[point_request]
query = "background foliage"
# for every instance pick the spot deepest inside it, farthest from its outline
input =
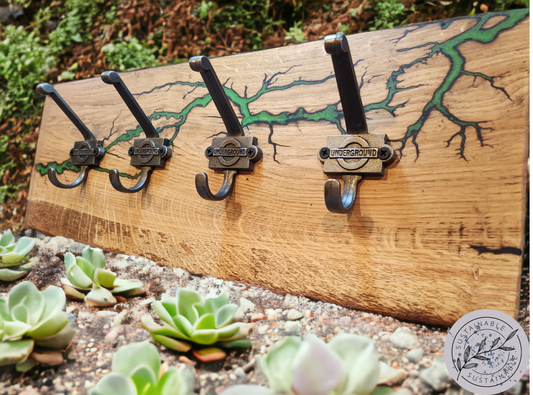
(53, 40)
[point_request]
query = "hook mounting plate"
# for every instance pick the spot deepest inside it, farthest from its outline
(87, 153)
(239, 153)
(152, 152)
(356, 154)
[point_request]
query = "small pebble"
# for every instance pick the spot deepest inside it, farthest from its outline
(402, 338)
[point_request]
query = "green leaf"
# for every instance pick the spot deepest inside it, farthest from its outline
(207, 321)
(224, 315)
(20, 313)
(116, 384)
(126, 286)
(78, 278)
(361, 359)
(243, 343)
(14, 330)
(26, 365)
(70, 260)
(19, 252)
(7, 239)
(127, 359)
(59, 341)
(11, 275)
(100, 297)
(229, 331)
(277, 364)
(205, 337)
(212, 305)
(95, 256)
(163, 313)
(52, 325)
(86, 266)
(15, 352)
(316, 368)
(143, 378)
(149, 324)
(183, 325)
(171, 343)
(27, 294)
(106, 278)
(185, 301)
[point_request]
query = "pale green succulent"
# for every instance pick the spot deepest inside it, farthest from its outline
(88, 280)
(348, 365)
(136, 371)
(33, 326)
(187, 317)
(13, 261)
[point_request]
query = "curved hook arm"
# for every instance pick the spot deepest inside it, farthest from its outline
(143, 180)
(52, 176)
(332, 194)
(202, 185)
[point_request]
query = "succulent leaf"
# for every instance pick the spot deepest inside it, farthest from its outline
(163, 313)
(316, 370)
(361, 359)
(18, 253)
(78, 277)
(171, 343)
(15, 352)
(149, 324)
(224, 315)
(277, 364)
(86, 267)
(116, 384)
(59, 340)
(7, 239)
(212, 305)
(95, 256)
(207, 321)
(185, 301)
(14, 330)
(106, 278)
(70, 260)
(11, 275)
(136, 370)
(26, 365)
(100, 297)
(27, 294)
(183, 325)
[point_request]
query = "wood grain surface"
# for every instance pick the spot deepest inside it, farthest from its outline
(439, 235)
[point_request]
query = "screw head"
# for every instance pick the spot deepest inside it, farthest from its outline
(250, 152)
(95, 152)
(161, 151)
(72, 152)
(384, 153)
(324, 152)
(131, 151)
(209, 151)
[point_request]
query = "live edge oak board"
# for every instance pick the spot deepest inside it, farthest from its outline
(439, 235)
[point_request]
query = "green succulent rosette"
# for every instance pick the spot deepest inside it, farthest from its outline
(348, 365)
(33, 326)
(136, 371)
(87, 279)
(189, 318)
(13, 261)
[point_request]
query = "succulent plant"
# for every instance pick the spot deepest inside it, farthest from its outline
(348, 365)
(13, 261)
(136, 371)
(189, 318)
(88, 280)
(33, 326)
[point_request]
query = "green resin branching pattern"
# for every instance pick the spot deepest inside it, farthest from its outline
(330, 113)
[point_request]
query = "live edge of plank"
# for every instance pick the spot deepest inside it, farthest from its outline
(439, 235)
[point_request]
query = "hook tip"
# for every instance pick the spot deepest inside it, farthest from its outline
(110, 77)
(45, 89)
(200, 63)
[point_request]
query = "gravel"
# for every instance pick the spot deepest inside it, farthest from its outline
(415, 349)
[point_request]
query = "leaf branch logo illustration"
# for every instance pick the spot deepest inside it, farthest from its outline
(479, 356)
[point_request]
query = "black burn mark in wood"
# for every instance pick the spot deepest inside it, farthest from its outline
(497, 251)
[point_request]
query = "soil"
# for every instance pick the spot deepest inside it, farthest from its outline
(101, 331)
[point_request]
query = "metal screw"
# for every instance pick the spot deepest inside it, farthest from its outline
(95, 152)
(250, 152)
(209, 151)
(324, 152)
(72, 152)
(131, 151)
(384, 153)
(161, 151)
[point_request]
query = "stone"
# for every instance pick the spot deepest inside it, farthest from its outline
(437, 374)
(402, 338)
(244, 307)
(390, 376)
(415, 355)
(294, 315)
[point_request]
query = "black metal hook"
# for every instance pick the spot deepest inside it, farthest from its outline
(231, 153)
(146, 154)
(357, 154)
(86, 153)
